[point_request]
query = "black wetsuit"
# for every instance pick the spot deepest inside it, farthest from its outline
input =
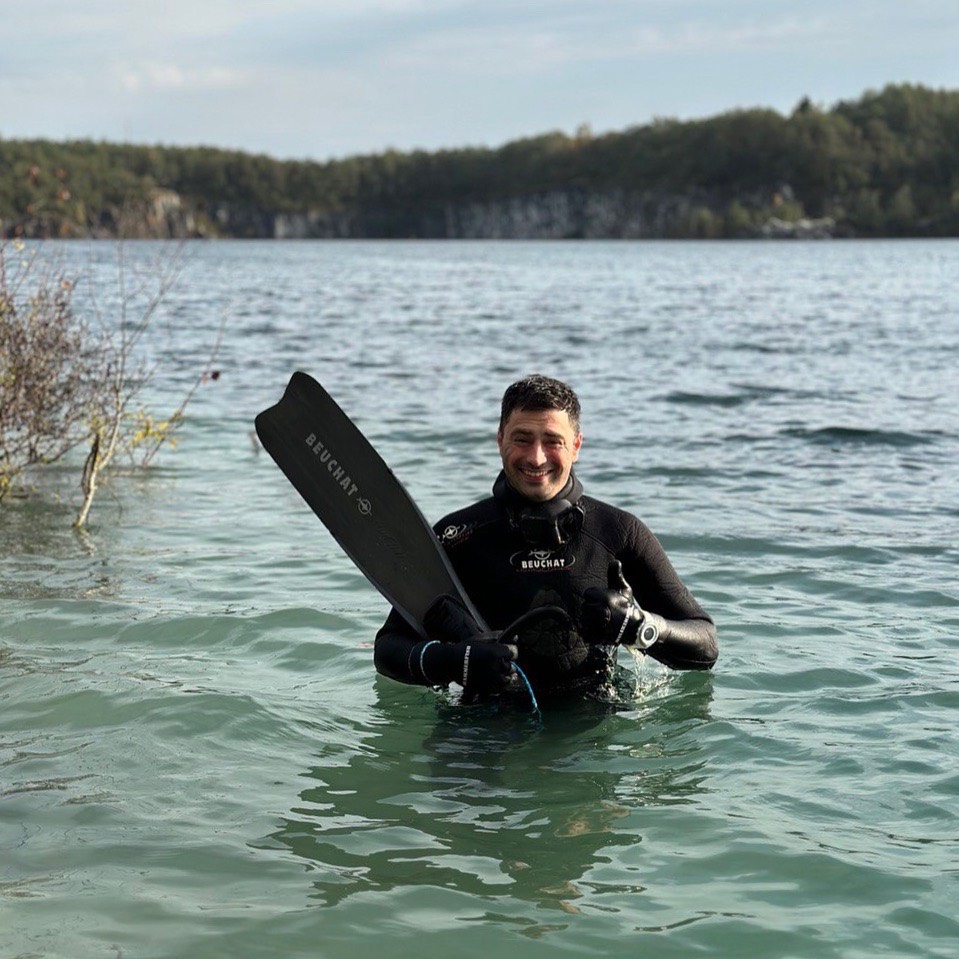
(512, 555)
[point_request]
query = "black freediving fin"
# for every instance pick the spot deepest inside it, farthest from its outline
(359, 499)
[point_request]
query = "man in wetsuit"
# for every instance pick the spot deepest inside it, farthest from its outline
(596, 574)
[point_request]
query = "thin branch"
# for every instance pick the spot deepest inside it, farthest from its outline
(207, 374)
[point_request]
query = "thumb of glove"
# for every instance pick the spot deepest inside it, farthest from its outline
(616, 579)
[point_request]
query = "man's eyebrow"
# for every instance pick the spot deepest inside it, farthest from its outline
(526, 431)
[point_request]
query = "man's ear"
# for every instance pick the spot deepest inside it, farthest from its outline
(577, 444)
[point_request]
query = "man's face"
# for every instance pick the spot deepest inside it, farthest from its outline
(538, 448)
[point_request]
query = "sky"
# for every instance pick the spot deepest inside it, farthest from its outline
(319, 79)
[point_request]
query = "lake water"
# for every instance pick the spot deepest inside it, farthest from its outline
(197, 759)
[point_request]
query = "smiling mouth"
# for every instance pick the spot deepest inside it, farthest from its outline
(535, 474)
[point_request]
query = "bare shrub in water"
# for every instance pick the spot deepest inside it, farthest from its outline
(49, 370)
(68, 384)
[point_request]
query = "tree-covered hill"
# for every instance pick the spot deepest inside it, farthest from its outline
(886, 164)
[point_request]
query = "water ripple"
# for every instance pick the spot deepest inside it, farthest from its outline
(196, 758)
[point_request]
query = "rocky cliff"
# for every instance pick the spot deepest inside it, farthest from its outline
(566, 214)
(550, 215)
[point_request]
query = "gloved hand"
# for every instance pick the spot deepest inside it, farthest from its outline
(464, 653)
(480, 666)
(612, 616)
(449, 621)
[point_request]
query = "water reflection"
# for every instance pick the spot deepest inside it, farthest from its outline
(507, 806)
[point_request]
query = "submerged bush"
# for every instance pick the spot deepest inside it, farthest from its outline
(69, 382)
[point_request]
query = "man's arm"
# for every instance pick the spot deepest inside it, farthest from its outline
(687, 634)
(647, 605)
(686, 643)
(393, 651)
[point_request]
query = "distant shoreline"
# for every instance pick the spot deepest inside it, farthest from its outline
(886, 165)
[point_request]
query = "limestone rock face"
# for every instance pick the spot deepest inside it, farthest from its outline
(822, 228)
(550, 215)
(558, 214)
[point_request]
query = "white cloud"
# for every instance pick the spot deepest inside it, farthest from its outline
(553, 47)
(297, 77)
(171, 77)
(704, 37)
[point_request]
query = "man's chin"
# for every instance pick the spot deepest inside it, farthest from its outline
(538, 492)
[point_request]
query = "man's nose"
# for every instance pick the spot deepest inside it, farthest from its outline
(538, 454)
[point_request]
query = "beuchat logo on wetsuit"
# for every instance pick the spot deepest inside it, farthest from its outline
(453, 534)
(541, 560)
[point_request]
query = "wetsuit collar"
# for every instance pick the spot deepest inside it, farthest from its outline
(546, 524)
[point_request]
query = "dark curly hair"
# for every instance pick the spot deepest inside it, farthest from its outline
(536, 392)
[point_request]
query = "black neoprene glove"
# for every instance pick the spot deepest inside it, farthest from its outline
(479, 666)
(612, 616)
(459, 651)
(449, 621)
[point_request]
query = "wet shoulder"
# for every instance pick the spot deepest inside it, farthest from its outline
(614, 526)
(458, 527)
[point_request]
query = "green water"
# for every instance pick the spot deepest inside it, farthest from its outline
(197, 759)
